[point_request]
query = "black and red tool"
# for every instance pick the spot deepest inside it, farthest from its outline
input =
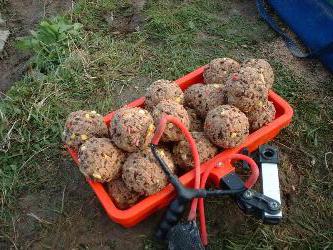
(186, 235)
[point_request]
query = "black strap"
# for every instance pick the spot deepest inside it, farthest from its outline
(291, 45)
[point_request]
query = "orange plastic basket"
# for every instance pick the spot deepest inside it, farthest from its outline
(151, 204)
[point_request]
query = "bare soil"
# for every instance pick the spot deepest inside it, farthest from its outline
(312, 70)
(21, 17)
(67, 215)
(126, 20)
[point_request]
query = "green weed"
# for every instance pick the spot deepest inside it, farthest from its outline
(50, 42)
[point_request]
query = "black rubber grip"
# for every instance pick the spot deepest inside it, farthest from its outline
(221, 193)
(171, 217)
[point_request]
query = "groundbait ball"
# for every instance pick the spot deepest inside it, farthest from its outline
(261, 116)
(171, 132)
(182, 154)
(132, 129)
(142, 173)
(100, 159)
(192, 94)
(121, 194)
(162, 90)
(246, 90)
(218, 70)
(82, 125)
(196, 124)
(226, 126)
(204, 97)
(262, 67)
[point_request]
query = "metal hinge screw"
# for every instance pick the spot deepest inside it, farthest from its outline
(274, 205)
(248, 194)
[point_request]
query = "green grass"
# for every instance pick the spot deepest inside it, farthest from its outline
(177, 37)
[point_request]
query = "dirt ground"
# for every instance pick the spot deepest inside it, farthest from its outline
(21, 17)
(62, 223)
(85, 227)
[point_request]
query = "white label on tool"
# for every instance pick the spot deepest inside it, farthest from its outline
(270, 185)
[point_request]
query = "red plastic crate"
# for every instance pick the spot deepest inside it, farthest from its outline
(151, 204)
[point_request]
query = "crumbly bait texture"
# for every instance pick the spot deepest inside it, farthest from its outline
(262, 67)
(182, 154)
(142, 173)
(196, 124)
(171, 132)
(204, 97)
(162, 90)
(100, 159)
(219, 69)
(192, 94)
(132, 129)
(82, 125)
(121, 194)
(213, 97)
(226, 126)
(261, 116)
(246, 90)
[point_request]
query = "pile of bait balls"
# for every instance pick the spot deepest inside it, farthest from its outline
(220, 112)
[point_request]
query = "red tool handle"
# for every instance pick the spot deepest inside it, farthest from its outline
(156, 138)
(248, 184)
(192, 215)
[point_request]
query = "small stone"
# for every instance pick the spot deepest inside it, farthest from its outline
(4, 34)
(36, 74)
(2, 22)
(109, 18)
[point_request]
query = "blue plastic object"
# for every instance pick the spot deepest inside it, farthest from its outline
(311, 20)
